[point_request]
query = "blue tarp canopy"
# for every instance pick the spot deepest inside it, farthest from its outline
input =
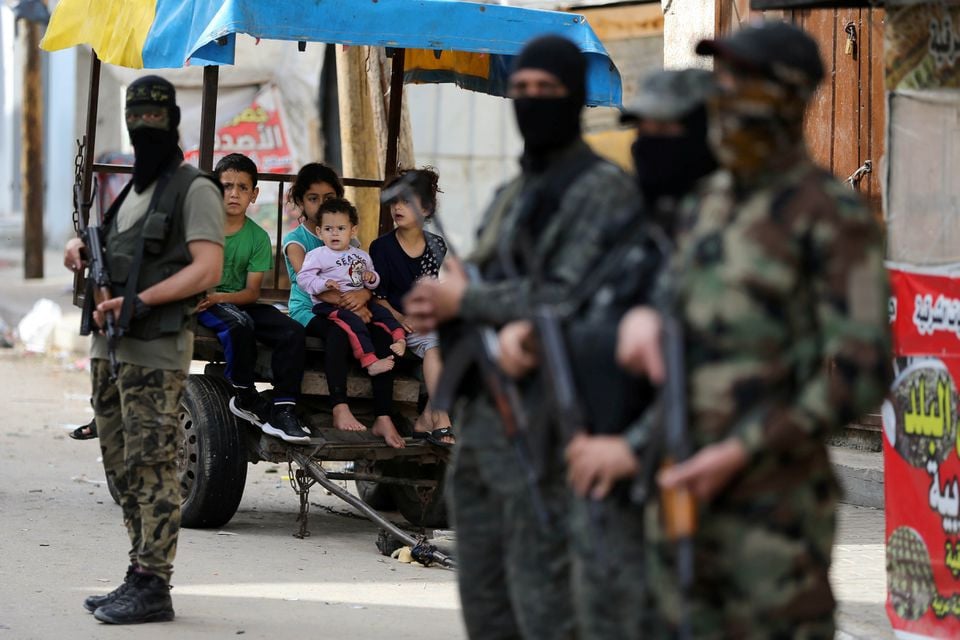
(450, 41)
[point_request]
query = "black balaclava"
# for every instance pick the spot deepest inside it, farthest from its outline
(548, 124)
(669, 166)
(155, 143)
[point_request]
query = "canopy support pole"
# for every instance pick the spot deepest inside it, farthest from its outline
(90, 138)
(208, 116)
(393, 129)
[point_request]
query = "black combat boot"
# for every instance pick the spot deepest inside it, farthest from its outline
(147, 599)
(93, 603)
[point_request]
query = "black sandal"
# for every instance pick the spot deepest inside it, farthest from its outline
(85, 432)
(436, 437)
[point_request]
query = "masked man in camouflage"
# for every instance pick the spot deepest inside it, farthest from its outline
(779, 285)
(550, 222)
(670, 155)
(163, 239)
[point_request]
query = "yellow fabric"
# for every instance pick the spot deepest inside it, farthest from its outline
(462, 62)
(116, 29)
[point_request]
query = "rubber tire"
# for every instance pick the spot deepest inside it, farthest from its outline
(374, 494)
(432, 514)
(211, 459)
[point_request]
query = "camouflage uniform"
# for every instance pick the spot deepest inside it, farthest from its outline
(137, 415)
(782, 293)
(608, 535)
(139, 456)
(514, 573)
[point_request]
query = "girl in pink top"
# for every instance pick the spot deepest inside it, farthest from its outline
(340, 267)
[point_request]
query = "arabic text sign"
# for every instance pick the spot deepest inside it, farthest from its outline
(257, 132)
(922, 457)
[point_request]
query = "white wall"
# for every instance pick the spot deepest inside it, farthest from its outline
(9, 129)
(472, 141)
(685, 23)
(59, 144)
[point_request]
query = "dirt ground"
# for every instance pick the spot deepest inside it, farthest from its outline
(61, 539)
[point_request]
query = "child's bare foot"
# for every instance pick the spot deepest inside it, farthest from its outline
(381, 366)
(399, 347)
(344, 420)
(383, 426)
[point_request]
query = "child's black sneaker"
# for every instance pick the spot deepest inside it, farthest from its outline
(249, 405)
(285, 424)
(147, 599)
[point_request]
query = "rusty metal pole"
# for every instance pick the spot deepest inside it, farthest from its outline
(208, 116)
(32, 160)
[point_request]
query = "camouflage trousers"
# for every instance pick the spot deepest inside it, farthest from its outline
(513, 572)
(137, 425)
(759, 572)
(608, 568)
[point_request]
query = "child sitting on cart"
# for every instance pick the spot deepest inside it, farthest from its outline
(338, 266)
(232, 311)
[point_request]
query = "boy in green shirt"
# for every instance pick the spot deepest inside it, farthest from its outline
(239, 320)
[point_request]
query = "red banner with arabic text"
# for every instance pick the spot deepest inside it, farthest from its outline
(258, 132)
(922, 456)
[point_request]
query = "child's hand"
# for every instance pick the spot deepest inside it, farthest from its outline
(402, 319)
(332, 285)
(369, 276)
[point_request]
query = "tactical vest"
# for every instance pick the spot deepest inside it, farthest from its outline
(162, 230)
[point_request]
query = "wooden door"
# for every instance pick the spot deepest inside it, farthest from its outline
(846, 119)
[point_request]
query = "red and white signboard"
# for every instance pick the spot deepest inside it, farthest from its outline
(922, 456)
(258, 132)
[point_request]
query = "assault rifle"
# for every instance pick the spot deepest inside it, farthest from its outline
(679, 510)
(478, 347)
(98, 277)
(669, 445)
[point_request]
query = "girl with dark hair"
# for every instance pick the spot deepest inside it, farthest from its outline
(315, 184)
(401, 257)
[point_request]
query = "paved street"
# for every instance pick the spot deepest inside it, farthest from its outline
(61, 538)
(859, 581)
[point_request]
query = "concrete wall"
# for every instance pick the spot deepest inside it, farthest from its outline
(59, 78)
(9, 115)
(472, 141)
(59, 145)
(685, 23)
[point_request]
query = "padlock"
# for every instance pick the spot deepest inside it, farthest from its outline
(851, 30)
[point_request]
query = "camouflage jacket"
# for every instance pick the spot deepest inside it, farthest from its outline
(570, 244)
(783, 295)
(564, 251)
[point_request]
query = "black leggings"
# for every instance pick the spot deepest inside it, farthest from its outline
(337, 357)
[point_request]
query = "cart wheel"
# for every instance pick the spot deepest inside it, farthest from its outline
(421, 507)
(373, 493)
(211, 457)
